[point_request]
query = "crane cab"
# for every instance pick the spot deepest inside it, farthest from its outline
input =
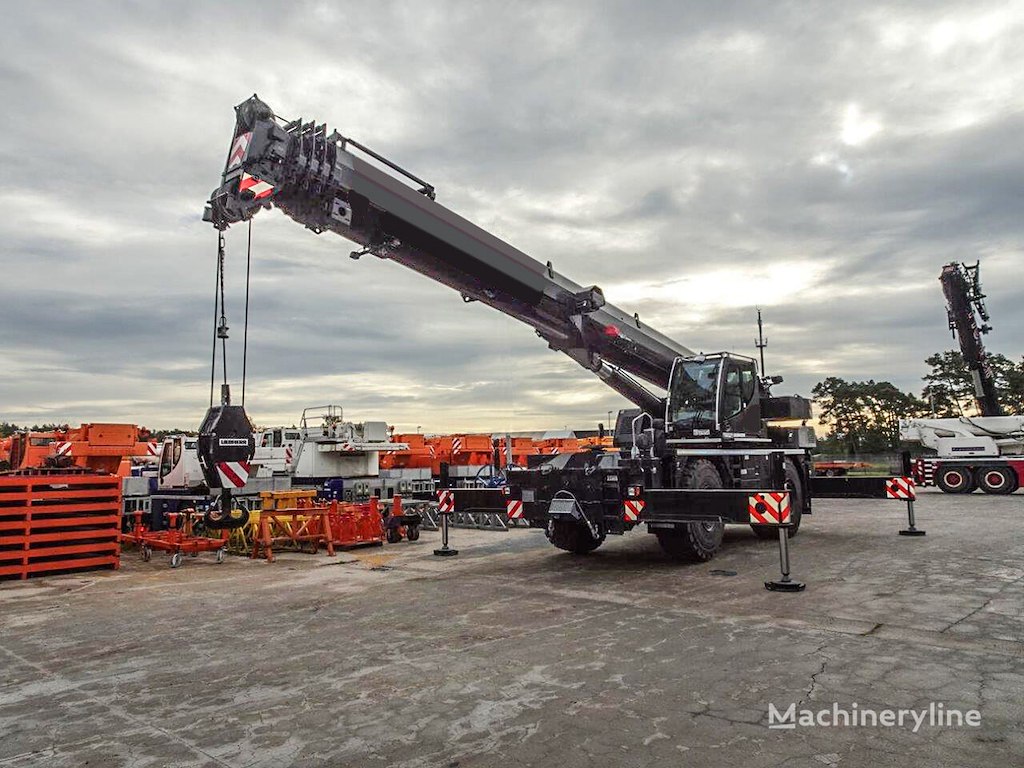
(721, 397)
(179, 465)
(714, 397)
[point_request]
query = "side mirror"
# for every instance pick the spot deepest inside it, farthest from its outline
(776, 379)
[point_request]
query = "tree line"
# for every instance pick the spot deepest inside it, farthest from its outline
(7, 429)
(864, 415)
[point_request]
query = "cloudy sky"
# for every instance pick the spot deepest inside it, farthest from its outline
(696, 160)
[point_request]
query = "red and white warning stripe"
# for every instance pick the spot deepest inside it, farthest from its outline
(62, 449)
(632, 509)
(925, 470)
(239, 149)
(233, 474)
(554, 451)
(346, 446)
(456, 445)
(770, 508)
(514, 508)
(445, 502)
(900, 488)
(288, 454)
(153, 448)
(259, 189)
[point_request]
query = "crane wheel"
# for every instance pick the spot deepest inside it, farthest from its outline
(955, 480)
(796, 506)
(572, 537)
(694, 542)
(997, 480)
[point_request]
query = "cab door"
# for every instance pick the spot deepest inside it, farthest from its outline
(740, 412)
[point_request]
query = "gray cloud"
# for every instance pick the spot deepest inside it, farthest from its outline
(695, 160)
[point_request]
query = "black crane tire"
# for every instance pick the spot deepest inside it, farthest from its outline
(573, 537)
(954, 480)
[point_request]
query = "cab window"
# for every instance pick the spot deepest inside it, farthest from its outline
(739, 388)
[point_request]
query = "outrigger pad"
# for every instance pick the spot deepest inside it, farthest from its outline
(225, 437)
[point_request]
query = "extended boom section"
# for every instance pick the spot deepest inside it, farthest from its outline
(316, 178)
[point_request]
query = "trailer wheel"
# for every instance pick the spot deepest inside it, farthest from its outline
(394, 536)
(572, 537)
(997, 480)
(955, 480)
(796, 506)
(412, 533)
(694, 542)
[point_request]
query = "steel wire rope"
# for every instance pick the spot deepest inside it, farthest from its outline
(245, 330)
(216, 308)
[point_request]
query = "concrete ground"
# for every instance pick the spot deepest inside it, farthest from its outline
(516, 654)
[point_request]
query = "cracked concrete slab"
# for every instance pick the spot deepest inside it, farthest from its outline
(515, 654)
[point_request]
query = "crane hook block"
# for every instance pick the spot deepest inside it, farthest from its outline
(226, 446)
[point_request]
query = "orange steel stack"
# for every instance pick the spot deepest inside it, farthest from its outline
(298, 519)
(353, 525)
(555, 445)
(28, 450)
(522, 449)
(418, 455)
(54, 521)
(290, 517)
(100, 447)
(471, 450)
(605, 443)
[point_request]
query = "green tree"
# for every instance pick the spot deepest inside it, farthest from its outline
(864, 415)
(950, 389)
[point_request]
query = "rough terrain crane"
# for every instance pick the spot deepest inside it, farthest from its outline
(984, 451)
(692, 458)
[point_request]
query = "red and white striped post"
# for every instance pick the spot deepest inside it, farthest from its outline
(774, 508)
(902, 489)
(445, 508)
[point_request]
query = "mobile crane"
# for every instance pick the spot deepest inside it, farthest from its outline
(691, 458)
(984, 451)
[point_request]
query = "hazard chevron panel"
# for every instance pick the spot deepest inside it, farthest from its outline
(632, 509)
(769, 508)
(445, 502)
(233, 474)
(900, 488)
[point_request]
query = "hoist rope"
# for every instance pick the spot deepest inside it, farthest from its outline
(220, 321)
(222, 331)
(216, 309)
(245, 331)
